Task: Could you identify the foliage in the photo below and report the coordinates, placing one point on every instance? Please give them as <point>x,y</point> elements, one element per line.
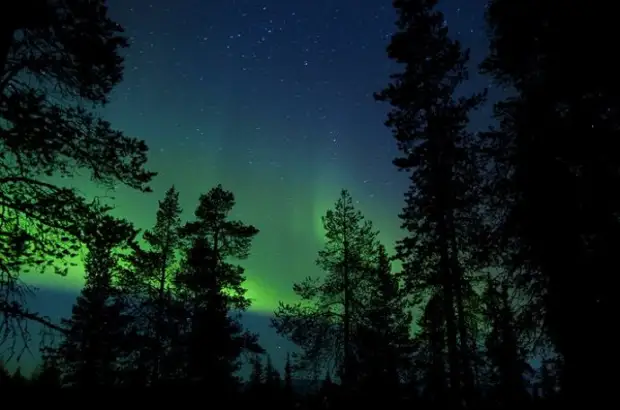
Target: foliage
<point>55,58</point>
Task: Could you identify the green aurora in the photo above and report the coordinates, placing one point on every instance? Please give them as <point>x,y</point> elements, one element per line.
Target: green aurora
<point>284,252</point>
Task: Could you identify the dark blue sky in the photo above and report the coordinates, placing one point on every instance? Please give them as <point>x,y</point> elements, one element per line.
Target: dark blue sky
<point>273,99</point>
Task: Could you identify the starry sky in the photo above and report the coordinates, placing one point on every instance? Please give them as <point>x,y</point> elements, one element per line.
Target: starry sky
<point>272,99</point>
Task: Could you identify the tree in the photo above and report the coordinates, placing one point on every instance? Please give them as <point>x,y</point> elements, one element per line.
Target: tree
<point>384,344</point>
<point>441,215</point>
<point>47,374</point>
<point>154,268</point>
<point>556,185</point>
<point>323,324</point>
<point>70,53</point>
<point>18,379</point>
<point>5,376</point>
<point>90,354</point>
<point>430,352</point>
<point>503,347</point>
<point>211,287</point>
<point>289,394</point>
<point>272,377</point>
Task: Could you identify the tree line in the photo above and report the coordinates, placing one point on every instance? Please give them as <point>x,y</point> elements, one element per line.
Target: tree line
<point>508,234</point>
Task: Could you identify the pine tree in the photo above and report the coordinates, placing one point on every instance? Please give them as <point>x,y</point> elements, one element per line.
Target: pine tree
<point>90,354</point>
<point>212,288</point>
<point>69,49</point>
<point>323,324</point>
<point>153,281</point>
<point>441,215</point>
<point>556,189</point>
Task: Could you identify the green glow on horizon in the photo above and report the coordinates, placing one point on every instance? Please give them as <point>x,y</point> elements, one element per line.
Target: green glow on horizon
<point>291,231</point>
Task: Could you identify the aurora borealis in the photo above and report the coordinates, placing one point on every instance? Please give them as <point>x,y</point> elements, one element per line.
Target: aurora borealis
<point>272,99</point>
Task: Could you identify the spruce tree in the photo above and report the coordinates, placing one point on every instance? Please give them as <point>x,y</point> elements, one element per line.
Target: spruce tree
<point>91,352</point>
<point>441,216</point>
<point>384,345</point>
<point>288,381</point>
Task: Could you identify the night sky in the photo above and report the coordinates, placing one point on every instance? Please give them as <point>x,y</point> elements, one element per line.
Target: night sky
<point>272,99</point>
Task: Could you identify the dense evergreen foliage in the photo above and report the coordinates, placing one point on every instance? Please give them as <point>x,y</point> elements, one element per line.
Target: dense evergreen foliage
<point>499,229</point>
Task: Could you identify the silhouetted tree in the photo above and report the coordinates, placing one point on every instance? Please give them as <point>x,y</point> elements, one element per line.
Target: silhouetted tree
<point>91,353</point>
<point>272,377</point>
<point>5,376</point>
<point>256,384</point>
<point>288,392</point>
<point>323,324</point>
<point>441,215</point>
<point>154,269</point>
<point>18,379</point>
<point>211,288</point>
<point>383,342</point>
<point>555,156</point>
<point>47,374</point>
<point>503,348</point>
<point>69,51</point>
<point>430,352</point>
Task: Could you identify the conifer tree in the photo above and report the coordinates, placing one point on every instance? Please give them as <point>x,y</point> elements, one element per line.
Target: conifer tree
<point>211,287</point>
<point>288,391</point>
<point>91,352</point>
<point>272,377</point>
<point>503,347</point>
<point>323,324</point>
<point>383,342</point>
<point>18,379</point>
<point>5,376</point>
<point>430,352</point>
<point>70,50</point>
<point>441,215</point>
<point>47,374</point>
<point>257,378</point>
<point>153,280</point>
<point>556,187</point>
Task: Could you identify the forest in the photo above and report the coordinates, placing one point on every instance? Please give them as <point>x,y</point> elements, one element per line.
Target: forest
<point>505,236</point>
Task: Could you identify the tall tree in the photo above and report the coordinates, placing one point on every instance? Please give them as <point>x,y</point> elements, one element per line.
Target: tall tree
<point>69,52</point>
<point>441,215</point>
<point>323,324</point>
<point>211,286</point>
<point>91,353</point>
<point>556,152</point>
<point>155,268</point>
